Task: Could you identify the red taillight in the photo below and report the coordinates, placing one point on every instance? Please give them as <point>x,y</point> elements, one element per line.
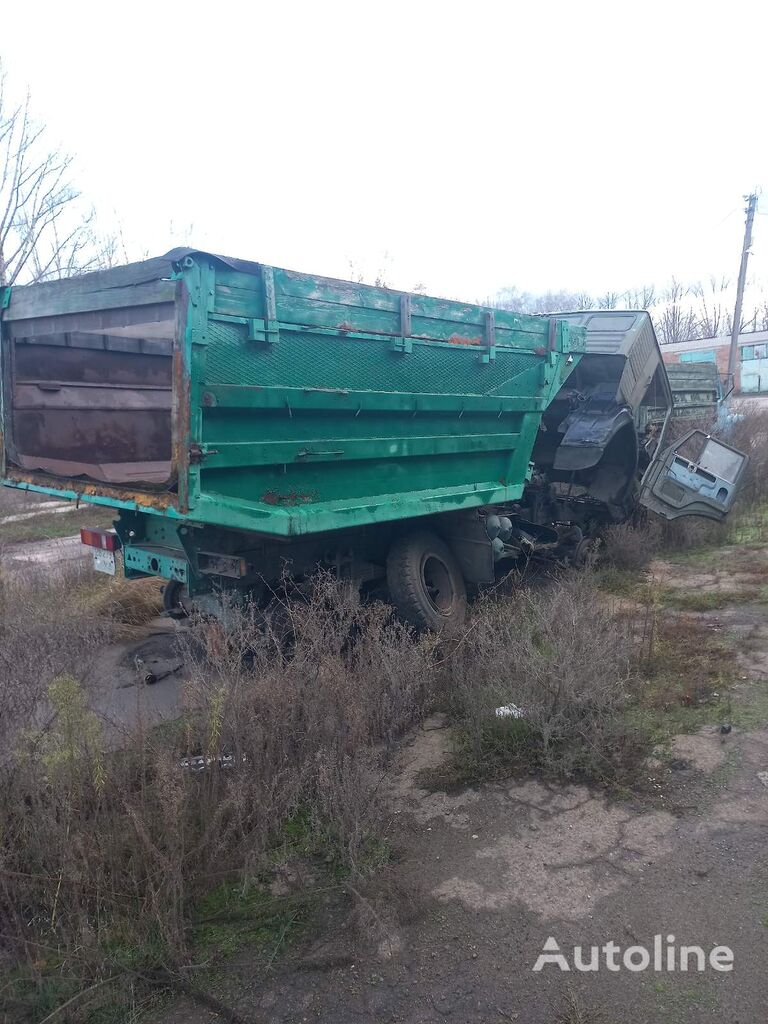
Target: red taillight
<point>104,539</point>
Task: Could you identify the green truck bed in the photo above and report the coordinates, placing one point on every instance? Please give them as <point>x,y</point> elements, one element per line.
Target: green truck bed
<point>248,397</point>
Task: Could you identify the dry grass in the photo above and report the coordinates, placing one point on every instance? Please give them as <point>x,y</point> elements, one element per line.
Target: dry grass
<point>628,547</point>
<point>129,602</point>
<point>51,525</point>
<point>708,600</point>
<point>749,433</point>
<point>562,657</point>
<point>686,663</point>
<point>119,869</point>
<point>106,858</point>
<point>47,629</point>
<point>690,533</point>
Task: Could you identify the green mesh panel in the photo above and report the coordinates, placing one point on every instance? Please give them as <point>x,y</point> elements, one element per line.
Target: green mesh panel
<point>301,360</point>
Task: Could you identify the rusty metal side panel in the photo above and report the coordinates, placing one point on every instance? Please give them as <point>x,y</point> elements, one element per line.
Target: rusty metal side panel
<point>56,472</point>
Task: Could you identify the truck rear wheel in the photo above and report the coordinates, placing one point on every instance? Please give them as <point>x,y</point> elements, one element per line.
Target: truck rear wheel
<point>425,582</point>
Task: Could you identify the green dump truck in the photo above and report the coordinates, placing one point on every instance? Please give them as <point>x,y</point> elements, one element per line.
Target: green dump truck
<point>246,422</point>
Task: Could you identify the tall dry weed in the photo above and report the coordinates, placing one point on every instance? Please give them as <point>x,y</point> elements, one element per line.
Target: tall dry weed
<point>105,855</point>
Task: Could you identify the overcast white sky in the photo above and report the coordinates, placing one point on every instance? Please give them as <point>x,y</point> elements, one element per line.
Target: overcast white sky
<point>555,145</point>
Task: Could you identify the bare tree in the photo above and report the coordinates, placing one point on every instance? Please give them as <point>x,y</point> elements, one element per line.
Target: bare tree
<point>45,232</point>
<point>640,298</point>
<point>564,301</point>
<point>761,317</point>
<point>680,312</point>
<point>674,317</point>
<point>714,312</point>
<point>608,300</point>
<point>548,302</point>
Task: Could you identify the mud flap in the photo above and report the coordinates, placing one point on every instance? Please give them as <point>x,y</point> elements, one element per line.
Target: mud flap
<point>697,476</point>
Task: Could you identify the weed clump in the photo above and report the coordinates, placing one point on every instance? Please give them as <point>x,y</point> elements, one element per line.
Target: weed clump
<point>110,861</point>
<point>47,630</point>
<point>543,682</point>
<point>629,548</point>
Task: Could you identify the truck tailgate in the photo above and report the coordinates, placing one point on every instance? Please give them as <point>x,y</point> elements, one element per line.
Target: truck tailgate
<point>87,379</point>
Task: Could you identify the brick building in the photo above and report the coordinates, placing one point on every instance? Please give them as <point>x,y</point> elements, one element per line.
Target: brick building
<point>751,367</point>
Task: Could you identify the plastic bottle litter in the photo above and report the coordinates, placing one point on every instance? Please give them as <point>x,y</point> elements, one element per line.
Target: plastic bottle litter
<point>510,711</point>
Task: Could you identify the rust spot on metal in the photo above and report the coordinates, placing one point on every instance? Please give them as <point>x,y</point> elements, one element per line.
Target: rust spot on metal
<point>459,339</point>
<point>291,498</point>
<point>83,489</point>
<point>345,325</point>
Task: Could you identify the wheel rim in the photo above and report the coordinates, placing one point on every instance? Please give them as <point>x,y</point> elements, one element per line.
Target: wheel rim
<point>436,581</point>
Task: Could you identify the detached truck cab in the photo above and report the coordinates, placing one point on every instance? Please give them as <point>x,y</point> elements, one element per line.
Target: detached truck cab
<point>246,421</point>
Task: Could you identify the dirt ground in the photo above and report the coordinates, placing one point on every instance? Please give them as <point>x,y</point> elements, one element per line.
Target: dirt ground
<point>14,500</point>
<point>36,529</point>
<point>479,880</point>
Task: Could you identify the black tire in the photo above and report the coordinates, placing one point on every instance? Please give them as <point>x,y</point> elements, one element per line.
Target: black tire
<point>586,553</point>
<point>176,603</point>
<point>425,582</point>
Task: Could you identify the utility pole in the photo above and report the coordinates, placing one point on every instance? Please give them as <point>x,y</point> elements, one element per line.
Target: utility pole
<point>733,355</point>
